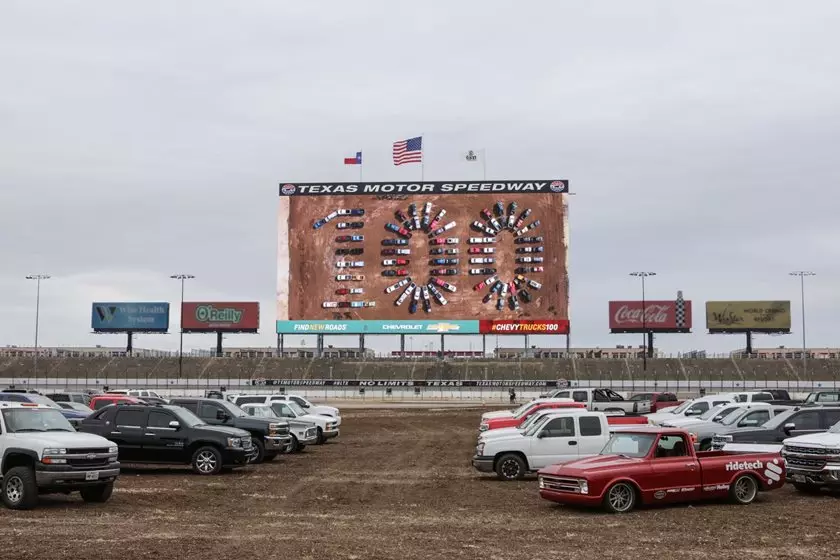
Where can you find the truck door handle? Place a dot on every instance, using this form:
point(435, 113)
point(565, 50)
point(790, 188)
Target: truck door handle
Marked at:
point(149, 434)
point(115, 433)
point(572, 443)
point(691, 466)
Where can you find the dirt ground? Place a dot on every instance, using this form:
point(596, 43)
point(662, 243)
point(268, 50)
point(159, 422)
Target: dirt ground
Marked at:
point(398, 484)
point(312, 257)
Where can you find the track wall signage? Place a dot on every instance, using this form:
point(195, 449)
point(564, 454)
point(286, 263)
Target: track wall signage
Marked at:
point(406, 383)
point(487, 257)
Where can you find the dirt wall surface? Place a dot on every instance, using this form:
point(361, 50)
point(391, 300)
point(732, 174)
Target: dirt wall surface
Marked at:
point(312, 258)
point(397, 484)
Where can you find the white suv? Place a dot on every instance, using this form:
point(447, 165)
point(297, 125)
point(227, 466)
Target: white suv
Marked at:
point(41, 453)
point(305, 404)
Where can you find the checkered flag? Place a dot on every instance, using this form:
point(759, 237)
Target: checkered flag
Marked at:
point(679, 310)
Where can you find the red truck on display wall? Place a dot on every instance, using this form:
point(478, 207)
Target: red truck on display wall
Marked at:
point(658, 401)
point(659, 465)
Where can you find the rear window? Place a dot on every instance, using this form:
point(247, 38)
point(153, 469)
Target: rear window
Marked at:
point(102, 403)
point(590, 426)
point(762, 397)
point(130, 418)
point(579, 396)
point(249, 400)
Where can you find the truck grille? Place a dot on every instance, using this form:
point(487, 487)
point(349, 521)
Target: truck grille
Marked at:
point(811, 450)
point(806, 463)
point(88, 463)
point(87, 450)
point(560, 484)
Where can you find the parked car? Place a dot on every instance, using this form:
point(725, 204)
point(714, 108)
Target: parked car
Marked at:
point(170, 434)
point(72, 416)
point(269, 438)
point(659, 466)
point(693, 407)
point(523, 413)
point(68, 396)
point(823, 397)
point(745, 415)
point(718, 412)
point(657, 400)
point(555, 438)
point(79, 407)
point(605, 400)
point(140, 393)
point(797, 421)
point(813, 460)
point(41, 453)
point(101, 401)
point(327, 427)
point(302, 401)
point(303, 433)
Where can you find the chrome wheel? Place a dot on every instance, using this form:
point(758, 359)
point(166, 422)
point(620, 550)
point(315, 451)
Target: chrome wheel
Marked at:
point(621, 498)
point(14, 490)
point(745, 489)
point(206, 462)
point(510, 468)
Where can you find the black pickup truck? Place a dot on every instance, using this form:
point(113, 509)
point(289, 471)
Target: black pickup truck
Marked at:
point(797, 421)
point(269, 437)
point(169, 435)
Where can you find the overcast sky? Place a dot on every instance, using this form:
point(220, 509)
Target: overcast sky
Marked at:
point(143, 139)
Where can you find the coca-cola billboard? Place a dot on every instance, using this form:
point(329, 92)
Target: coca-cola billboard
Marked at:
point(659, 316)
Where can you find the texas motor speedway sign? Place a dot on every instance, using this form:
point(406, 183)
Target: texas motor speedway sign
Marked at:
point(532, 186)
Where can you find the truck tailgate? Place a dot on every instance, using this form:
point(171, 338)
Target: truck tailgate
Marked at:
point(720, 467)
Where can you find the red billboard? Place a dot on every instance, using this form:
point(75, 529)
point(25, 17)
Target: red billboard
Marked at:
point(205, 316)
point(524, 326)
point(659, 316)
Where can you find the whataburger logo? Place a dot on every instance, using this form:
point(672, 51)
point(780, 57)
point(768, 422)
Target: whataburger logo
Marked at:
point(210, 314)
point(106, 313)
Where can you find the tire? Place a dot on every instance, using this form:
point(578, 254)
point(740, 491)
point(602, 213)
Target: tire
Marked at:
point(620, 498)
point(321, 439)
point(20, 491)
point(97, 494)
point(207, 460)
point(259, 447)
point(743, 490)
point(807, 488)
point(296, 446)
point(511, 467)
point(269, 457)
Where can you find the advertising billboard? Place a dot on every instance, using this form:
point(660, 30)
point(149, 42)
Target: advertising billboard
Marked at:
point(401, 255)
point(206, 316)
point(123, 316)
point(659, 316)
point(425, 327)
point(748, 316)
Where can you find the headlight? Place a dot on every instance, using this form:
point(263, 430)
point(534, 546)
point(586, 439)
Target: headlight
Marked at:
point(113, 449)
point(479, 450)
point(542, 482)
point(55, 451)
point(584, 487)
point(234, 442)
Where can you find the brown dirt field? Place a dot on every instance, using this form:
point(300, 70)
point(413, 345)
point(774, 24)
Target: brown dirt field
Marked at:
point(312, 257)
point(398, 484)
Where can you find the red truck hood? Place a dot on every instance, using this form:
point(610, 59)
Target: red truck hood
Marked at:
point(591, 465)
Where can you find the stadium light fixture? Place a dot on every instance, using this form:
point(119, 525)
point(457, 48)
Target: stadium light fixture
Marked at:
point(183, 278)
point(37, 278)
point(645, 334)
point(802, 274)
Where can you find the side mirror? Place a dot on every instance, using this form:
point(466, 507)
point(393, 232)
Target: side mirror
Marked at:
point(717, 418)
point(222, 415)
point(542, 434)
point(693, 412)
point(789, 427)
point(175, 424)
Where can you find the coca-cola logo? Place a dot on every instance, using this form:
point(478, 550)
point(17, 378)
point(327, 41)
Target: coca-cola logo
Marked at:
point(655, 314)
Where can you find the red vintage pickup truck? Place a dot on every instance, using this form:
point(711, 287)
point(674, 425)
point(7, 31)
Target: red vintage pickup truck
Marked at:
point(522, 416)
point(659, 466)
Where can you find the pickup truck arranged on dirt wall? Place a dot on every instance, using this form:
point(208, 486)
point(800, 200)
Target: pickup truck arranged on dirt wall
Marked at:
point(41, 453)
point(659, 466)
point(604, 400)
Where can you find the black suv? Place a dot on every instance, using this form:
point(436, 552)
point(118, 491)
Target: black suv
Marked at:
point(171, 435)
point(796, 422)
point(269, 436)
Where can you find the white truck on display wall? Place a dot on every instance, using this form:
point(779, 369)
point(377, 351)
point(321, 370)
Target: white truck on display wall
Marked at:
point(41, 453)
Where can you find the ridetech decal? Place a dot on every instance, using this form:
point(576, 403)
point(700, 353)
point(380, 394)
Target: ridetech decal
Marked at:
point(773, 472)
point(544, 186)
point(744, 465)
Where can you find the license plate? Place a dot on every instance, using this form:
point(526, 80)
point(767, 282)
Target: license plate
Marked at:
point(798, 478)
point(92, 475)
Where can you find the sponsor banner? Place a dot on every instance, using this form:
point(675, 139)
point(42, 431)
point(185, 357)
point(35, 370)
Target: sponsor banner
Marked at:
point(528, 326)
point(402, 383)
point(748, 316)
point(377, 327)
point(220, 316)
point(123, 316)
point(656, 316)
point(520, 186)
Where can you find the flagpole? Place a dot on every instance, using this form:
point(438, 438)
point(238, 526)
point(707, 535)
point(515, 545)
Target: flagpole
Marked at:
point(360, 172)
point(422, 159)
point(484, 161)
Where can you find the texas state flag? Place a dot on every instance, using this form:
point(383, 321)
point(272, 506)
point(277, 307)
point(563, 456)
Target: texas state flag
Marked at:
point(354, 160)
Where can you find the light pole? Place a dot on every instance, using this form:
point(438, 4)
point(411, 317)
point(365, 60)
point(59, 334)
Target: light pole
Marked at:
point(645, 334)
point(37, 278)
point(182, 278)
point(802, 274)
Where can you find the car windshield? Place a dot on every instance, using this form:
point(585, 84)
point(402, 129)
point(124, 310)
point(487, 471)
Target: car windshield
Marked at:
point(232, 409)
point(35, 420)
point(260, 411)
point(530, 421)
point(185, 416)
point(732, 417)
point(537, 425)
point(629, 445)
point(296, 408)
point(522, 409)
point(711, 413)
point(41, 399)
point(683, 407)
point(778, 420)
point(524, 412)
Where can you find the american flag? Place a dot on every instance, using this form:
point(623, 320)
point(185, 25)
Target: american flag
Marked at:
point(408, 151)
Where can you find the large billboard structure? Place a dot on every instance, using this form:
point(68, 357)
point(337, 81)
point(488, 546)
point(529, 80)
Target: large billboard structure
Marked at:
point(658, 316)
point(130, 317)
point(748, 316)
point(231, 317)
point(440, 257)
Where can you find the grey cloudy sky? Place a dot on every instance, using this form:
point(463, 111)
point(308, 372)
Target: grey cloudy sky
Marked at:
point(142, 139)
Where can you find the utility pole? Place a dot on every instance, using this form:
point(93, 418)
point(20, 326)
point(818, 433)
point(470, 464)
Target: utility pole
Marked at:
point(37, 278)
point(182, 278)
point(645, 333)
point(802, 274)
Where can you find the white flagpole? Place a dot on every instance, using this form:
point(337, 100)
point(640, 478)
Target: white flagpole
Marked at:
point(484, 161)
point(360, 171)
point(422, 159)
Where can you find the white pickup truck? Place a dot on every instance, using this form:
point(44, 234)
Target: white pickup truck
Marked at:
point(565, 435)
point(813, 460)
point(41, 453)
point(605, 400)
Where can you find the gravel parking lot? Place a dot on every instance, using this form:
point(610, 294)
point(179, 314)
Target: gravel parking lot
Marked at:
point(397, 484)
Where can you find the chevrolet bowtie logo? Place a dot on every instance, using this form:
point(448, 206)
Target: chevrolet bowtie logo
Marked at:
point(443, 327)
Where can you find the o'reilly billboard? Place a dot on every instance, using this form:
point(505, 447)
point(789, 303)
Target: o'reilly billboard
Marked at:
point(124, 316)
point(206, 316)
